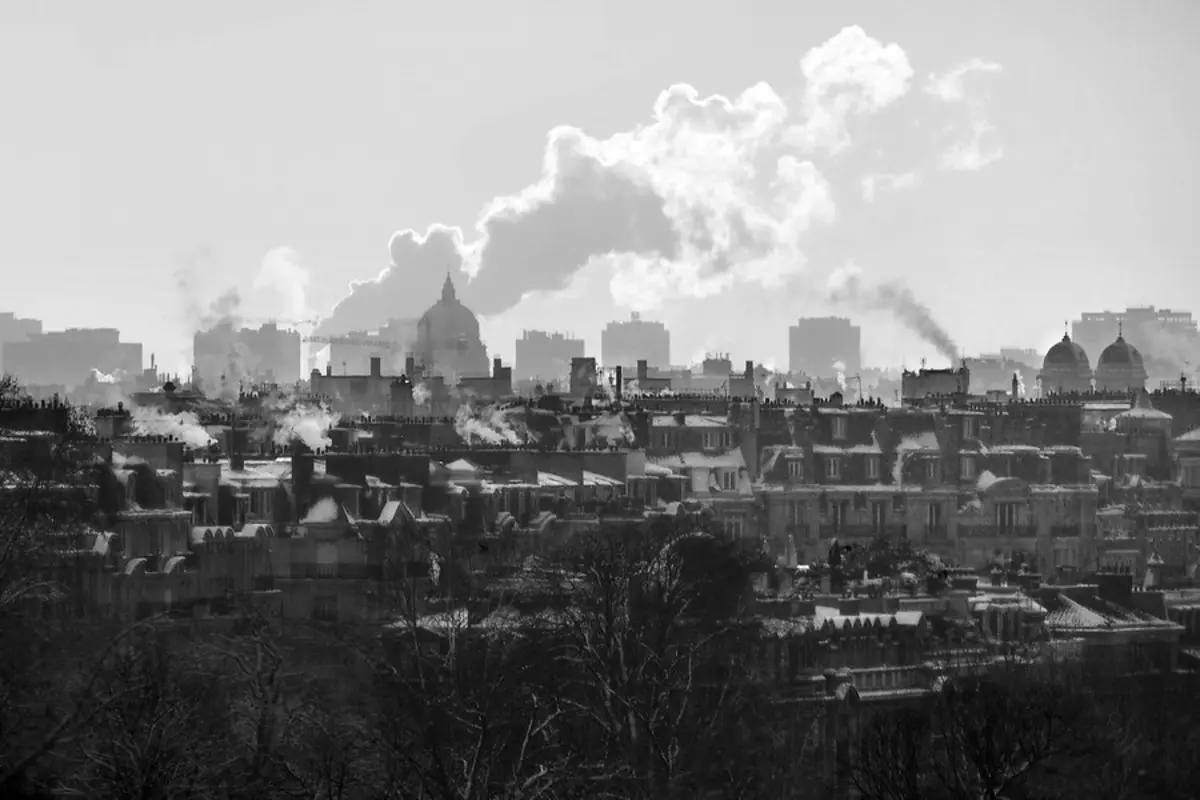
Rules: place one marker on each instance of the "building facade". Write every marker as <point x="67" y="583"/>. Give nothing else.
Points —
<point x="68" y="358"/>
<point x="624" y="344"/>
<point x="545" y="356"/>
<point x="815" y="344"/>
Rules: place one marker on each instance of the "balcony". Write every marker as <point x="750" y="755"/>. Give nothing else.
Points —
<point x="997" y="531"/>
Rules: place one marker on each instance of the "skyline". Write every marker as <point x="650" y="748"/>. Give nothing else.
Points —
<point x="1088" y="202"/>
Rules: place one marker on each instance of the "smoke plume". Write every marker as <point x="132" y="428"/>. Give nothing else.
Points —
<point x="840" y="368"/>
<point x="305" y="423"/>
<point x="846" y="286"/>
<point x="710" y="193"/>
<point x="489" y="425"/>
<point x="184" y="426"/>
<point x="278" y="293"/>
<point x="421" y="394"/>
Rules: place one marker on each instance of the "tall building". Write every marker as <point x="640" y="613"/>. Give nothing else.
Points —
<point x="351" y="354"/>
<point x="15" y="329"/>
<point x="67" y="358"/>
<point x="268" y="354"/>
<point x="816" y="343"/>
<point x="545" y="356"/>
<point x="626" y="343"/>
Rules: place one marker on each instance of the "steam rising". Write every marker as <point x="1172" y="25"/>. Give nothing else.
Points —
<point x="840" y="368"/>
<point x="278" y="293"/>
<point x="1020" y="383"/>
<point x="421" y="394"/>
<point x="711" y="193"/>
<point x="846" y="286"/>
<point x="103" y="377"/>
<point x="308" y="424"/>
<point x="490" y="425"/>
<point x="184" y="426"/>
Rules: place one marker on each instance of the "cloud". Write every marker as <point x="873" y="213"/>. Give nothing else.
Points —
<point x="874" y="183"/>
<point x="980" y="148"/>
<point x="708" y="202"/>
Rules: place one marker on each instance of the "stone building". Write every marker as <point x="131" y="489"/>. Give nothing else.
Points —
<point x="448" y="342"/>
<point x="1065" y="369"/>
<point x="1120" y="367"/>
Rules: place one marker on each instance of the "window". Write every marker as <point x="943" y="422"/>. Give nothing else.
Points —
<point x="729" y="480"/>
<point x="879" y="516"/>
<point x="839" y="427"/>
<point x="796" y="469"/>
<point x="838" y="513"/>
<point x="716" y="439"/>
<point x="1007" y="517"/>
<point x="735" y="526"/>
<point x="934" y="517"/>
<point x="872" y="468"/>
<point x="970" y="427"/>
<point x="797" y="512"/>
<point x="833" y="468"/>
<point x="931" y="468"/>
<point x="967" y="467"/>
<point x="325" y="608"/>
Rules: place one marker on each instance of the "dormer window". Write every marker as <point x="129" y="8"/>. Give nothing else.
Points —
<point x="729" y="480"/>
<point x="795" y="469"/>
<point x="872" y="468"/>
<point x="839" y="427"/>
<point x="833" y="468"/>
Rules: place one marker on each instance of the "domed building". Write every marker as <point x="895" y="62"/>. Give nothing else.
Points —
<point x="1065" y="368"/>
<point x="1120" y="368"/>
<point x="448" y="342"/>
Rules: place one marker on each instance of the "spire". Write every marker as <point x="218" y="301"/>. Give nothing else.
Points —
<point x="448" y="289"/>
<point x="1120" y="331"/>
<point x="1066" y="335"/>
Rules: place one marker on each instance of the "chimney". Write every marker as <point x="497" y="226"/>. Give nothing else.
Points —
<point x="402" y="397"/>
<point x="302" y="475"/>
<point x="750" y="371"/>
<point x="496" y="366"/>
<point x="410" y="366"/>
<point x="1016" y="387"/>
<point x="376" y="367"/>
<point x="1115" y="588"/>
<point x="329" y="370"/>
<point x="641" y="370"/>
<point x="620" y="382"/>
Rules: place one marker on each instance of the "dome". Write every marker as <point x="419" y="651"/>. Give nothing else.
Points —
<point x="1066" y="355"/>
<point x="448" y="319"/>
<point x="1120" y="354"/>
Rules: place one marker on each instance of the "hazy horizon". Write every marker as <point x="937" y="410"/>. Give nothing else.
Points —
<point x="1005" y="161"/>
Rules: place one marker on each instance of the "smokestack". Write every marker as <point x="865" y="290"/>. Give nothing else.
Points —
<point x="410" y="366"/>
<point x="750" y="371"/>
<point x="641" y="370"/>
<point x="376" y="367"/>
<point x="1015" y="386"/>
<point x="329" y="370"/>
<point x="620" y="382"/>
<point x="496" y="366"/>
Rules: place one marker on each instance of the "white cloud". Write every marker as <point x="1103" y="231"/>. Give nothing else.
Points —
<point x="883" y="181"/>
<point x="980" y="148"/>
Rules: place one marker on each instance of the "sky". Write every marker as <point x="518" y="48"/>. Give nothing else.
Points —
<point x="1011" y="163"/>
